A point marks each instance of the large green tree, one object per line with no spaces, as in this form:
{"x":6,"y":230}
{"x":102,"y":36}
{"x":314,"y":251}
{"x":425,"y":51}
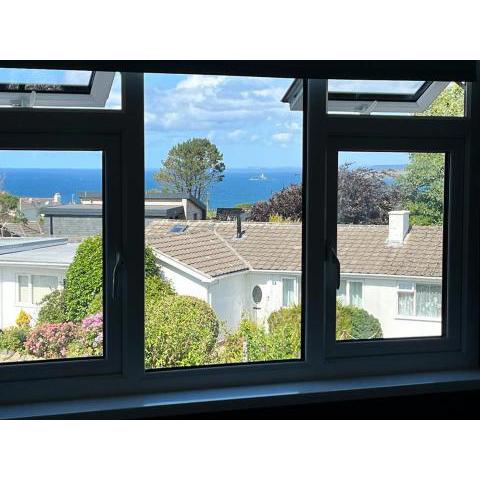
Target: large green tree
{"x":422,"y":181}
{"x":191,"y":167}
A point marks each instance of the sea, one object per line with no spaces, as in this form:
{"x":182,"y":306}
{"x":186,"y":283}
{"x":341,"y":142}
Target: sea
{"x":238,"y":186}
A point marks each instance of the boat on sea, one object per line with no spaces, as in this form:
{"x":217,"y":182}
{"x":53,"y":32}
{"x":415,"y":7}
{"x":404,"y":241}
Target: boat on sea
{"x":260,"y":177}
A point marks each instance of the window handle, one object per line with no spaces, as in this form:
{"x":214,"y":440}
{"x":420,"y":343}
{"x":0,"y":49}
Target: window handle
{"x":116,"y":269}
{"x":333,"y":256}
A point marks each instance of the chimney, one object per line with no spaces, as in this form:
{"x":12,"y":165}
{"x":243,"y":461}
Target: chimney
{"x":398,"y":225}
{"x":239,"y":226}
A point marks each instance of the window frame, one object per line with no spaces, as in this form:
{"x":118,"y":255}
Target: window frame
{"x":386,"y":138}
{"x":25,"y":139}
{"x":93,"y":95}
{"x":318,"y":271}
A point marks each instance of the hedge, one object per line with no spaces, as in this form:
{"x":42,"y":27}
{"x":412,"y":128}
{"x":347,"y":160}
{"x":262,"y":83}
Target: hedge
{"x":53,"y":309}
{"x":84,"y":277}
{"x":179,"y":331}
{"x":354,"y":323}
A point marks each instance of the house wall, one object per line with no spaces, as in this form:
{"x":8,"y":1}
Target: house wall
{"x":9,"y":306}
{"x":231,"y":295}
{"x":228,"y":297}
{"x":272,"y":293}
{"x":183,"y":283}
{"x":380,"y":299}
{"x":191,"y":210}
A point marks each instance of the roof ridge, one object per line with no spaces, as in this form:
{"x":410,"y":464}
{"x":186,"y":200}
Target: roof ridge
{"x":249,"y":266}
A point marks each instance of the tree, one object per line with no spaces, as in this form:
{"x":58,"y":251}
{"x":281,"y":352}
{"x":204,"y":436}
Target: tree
{"x":364,"y":197}
{"x":422,"y":182}
{"x":191,"y":167}
{"x":84,"y":277}
{"x":287,"y":204}
{"x":9,"y":212}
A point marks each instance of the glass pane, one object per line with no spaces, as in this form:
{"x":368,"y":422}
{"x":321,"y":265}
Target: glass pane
{"x":429,"y":301}
{"x":405,"y":303}
{"x":223,"y":211}
{"x":23,"y":290}
{"x":390,"y":210}
{"x":374,"y":86}
{"x":31,"y":88}
{"x":288,"y":292}
{"x":43,"y":285}
{"x":44,"y":77}
{"x":51,"y":251}
{"x":355,"y":294}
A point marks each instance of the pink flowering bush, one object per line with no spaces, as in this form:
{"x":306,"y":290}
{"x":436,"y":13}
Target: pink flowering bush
{"x":89,"y":339}
{"x":50,"y":340}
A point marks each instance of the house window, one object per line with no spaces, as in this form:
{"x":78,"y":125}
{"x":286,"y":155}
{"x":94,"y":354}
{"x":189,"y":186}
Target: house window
{"x":257,"y":294}
{"x":355,"y":293}
{"x":23,"y":289}
{"x":385,"y":229}
{"x":288,"y":292}
{"x":59,"y":88}
{"x":232,"y":259}
{"x":42,"y":285}
{"x":386,"y":97}
{"x":419,"y":300}
{"x":350,"y":293}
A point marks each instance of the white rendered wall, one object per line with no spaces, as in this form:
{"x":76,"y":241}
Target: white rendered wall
{"x":380,"y":299}
{"x":183,"y":283}
{"x":9,"y":305}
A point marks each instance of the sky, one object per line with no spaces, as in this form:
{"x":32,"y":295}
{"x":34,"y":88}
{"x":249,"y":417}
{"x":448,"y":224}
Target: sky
{"x":243,"y":116}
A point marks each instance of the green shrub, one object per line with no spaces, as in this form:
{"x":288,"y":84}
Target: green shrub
{"x":354,"y":323}
{"x":96,"y":305}
{"x":179,"y":331}
{"x":156,"y":287}
{"x":52,"y":308}
{"x":12,"y":339}
{"x":23,"y":319}
{"x":253,"y":343}
{"x":84,"y":277}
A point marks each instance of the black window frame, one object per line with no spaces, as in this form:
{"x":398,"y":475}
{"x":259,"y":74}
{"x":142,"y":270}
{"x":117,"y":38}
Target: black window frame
{"x":318,"y":267}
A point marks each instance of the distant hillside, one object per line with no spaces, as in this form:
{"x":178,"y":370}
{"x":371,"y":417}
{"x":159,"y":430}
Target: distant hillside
{"x":388,"y":167}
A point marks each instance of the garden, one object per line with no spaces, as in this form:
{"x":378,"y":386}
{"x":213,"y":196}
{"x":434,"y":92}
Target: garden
{"x":179,"y":330}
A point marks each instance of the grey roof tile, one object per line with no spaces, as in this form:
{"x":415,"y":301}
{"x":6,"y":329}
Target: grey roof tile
{"x":212,"y":248}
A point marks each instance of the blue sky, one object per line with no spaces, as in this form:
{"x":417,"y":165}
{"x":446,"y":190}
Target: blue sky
{"x":243,"y":116}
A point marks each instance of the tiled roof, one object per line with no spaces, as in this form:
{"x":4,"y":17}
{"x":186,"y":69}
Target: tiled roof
{"x":29,"y":229}
{"x":211,"y":247}
{"x":364,"y":249}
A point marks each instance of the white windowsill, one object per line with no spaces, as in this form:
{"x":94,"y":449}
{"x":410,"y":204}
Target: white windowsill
{"x":215,"y":400}
{"x":418,"y":319}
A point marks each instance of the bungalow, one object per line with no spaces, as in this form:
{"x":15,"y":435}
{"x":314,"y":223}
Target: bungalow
{"x":252,"y":269}
{"x":30,"y":268}
{"x":394,"y":272}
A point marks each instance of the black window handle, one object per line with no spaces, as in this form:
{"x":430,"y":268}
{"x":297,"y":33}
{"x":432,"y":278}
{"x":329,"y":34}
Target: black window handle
{"x":333,"y":256}
{"x":116,"y":269}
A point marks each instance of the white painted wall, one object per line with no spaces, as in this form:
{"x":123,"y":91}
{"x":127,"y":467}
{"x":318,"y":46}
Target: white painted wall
{"x":183,"y":283}
{"x":380,"y":299}
{"x":9,"y":305}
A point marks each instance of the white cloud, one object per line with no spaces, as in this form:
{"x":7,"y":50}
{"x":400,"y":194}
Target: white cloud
{"x":236,"y":134}
{"x":282,"y":137}
{"x":200,"y":81}
{"x":198,"y":104}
